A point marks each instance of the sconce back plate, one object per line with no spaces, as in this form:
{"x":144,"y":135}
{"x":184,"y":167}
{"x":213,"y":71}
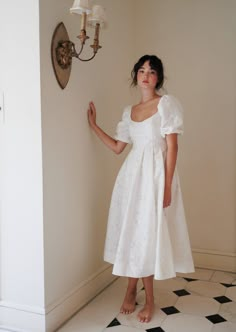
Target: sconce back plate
{"x":62,"y":74}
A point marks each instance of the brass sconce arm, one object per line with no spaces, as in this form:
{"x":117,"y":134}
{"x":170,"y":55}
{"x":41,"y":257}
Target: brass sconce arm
{"x":63,"y":50}
{"x":95,"y":45}
{"x":66,"y":50}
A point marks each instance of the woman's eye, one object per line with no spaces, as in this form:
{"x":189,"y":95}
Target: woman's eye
{"x":153,"y":72}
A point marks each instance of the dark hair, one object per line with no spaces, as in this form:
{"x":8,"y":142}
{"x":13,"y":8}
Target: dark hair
{"x":155,"y":64}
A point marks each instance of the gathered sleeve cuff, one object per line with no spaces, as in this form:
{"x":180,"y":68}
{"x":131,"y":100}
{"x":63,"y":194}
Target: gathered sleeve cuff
{"x":171,"y":113}
{"x":122,"y":129}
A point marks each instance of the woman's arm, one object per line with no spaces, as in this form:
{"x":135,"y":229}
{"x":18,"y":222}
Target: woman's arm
{"x":171,"y":157}
{"x":111,"y":143}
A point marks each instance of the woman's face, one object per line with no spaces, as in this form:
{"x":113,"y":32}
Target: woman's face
{"x":147,"y":77}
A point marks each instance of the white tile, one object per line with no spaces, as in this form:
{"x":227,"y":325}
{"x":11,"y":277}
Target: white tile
{"x":224,"y":277}
{"x":170,"y":284}
{"x":201,"y":274}
{"x":228,"y":311}
{"x":197,"y":305}
{"x":186,"y":323}
{"x":206,"y":288}
{"x":132,"y":319}
{"x":122,"y":328}
{"x":231,"y":293}
{"x":224,"y":327}
{"x":163,"y":298}
{"x":98,"y":313}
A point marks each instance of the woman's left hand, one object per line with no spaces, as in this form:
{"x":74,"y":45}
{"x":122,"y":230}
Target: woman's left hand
{"x":167,"y":196}
{"x":92,"y":114}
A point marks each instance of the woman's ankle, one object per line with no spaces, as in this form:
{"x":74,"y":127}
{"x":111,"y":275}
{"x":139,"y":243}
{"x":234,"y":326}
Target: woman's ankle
{"x":131,"y":293}
{"x":150,"y":300}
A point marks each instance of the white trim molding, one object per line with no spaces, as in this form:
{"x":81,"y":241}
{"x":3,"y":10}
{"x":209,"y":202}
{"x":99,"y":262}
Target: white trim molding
{"x":34,"y":319}
{"x":60,"y":311}
{"x":19,"y":320}
{"x":212,"y":259}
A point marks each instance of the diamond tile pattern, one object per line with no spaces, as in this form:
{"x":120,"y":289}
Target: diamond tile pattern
{"x":115,"y":322}
{"x":181,"y":292}
{"x":227,"y":285}
{"x":190,"y":279}
{"x":231,"y":293}
{"x":170,"y":310}
{"x":215,"y":319}
{"x":203,"y":301}
{"x":222,"y":299}
{"x":200,"y":298}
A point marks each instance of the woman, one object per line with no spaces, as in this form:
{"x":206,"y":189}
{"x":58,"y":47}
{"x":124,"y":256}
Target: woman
{"x":147,"y":235}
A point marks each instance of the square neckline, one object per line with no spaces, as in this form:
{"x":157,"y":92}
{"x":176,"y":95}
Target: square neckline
{"x":148,"y":118}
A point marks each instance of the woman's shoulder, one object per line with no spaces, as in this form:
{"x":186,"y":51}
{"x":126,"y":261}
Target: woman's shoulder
{"x":126,"y":112}
{"x":167,"y":98}
{"x":171,"y":114}
{"x":169,"y":102}
{"x":127,"y":109}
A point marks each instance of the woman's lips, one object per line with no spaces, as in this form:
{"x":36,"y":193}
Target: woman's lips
{"x":145,"y":81}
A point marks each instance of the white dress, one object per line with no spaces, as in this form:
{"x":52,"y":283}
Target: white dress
{"x":143,"y":238}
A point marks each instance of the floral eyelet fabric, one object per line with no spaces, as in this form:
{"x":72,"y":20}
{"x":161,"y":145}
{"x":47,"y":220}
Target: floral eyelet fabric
{"x":143,"y":238}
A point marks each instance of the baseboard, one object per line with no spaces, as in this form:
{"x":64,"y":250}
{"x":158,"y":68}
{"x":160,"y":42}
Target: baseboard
{"x":217,"y":260}
{"x":18,"y":318}
{"x":62,"y":310}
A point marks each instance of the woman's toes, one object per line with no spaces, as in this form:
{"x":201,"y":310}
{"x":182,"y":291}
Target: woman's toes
{"x":145,"y":314}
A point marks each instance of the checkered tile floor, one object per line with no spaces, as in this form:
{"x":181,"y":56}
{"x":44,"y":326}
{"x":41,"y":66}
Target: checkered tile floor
{"x":204,"y":301}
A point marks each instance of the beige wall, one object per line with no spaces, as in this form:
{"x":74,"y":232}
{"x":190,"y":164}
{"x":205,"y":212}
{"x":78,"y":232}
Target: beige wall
{"x":196,"y":41}
{"x":79,"y":171}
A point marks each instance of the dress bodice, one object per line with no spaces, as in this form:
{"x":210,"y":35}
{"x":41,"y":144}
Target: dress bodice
{"x":168,"y":119}
{"x":147,"y":131}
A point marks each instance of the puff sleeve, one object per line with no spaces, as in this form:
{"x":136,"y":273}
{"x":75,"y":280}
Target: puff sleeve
{"x":171,"y":113}
{"x":122,"y":129}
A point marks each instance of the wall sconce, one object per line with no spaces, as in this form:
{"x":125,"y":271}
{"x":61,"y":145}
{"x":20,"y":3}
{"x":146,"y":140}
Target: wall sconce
{"x":63,"y":50}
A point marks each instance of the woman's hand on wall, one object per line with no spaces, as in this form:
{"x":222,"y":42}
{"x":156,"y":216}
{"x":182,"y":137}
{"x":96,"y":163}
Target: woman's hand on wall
{"x":92,"y":114}
{"x":111,"y":143}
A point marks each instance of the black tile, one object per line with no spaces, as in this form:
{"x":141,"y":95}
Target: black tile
{"x":155,"y":329}
{"x":222,"y":299}
{"x":115,"y":322}
{"x":227,"y":285}
{"x":190,"y":279}
{"x":181,"y":292}
{"x":170,"y":310}
{"x":215,"y":319}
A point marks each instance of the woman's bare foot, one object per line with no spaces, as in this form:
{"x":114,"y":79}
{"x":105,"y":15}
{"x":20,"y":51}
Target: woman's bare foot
{"x":145,"y":315}
{"x":128,"y":305}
